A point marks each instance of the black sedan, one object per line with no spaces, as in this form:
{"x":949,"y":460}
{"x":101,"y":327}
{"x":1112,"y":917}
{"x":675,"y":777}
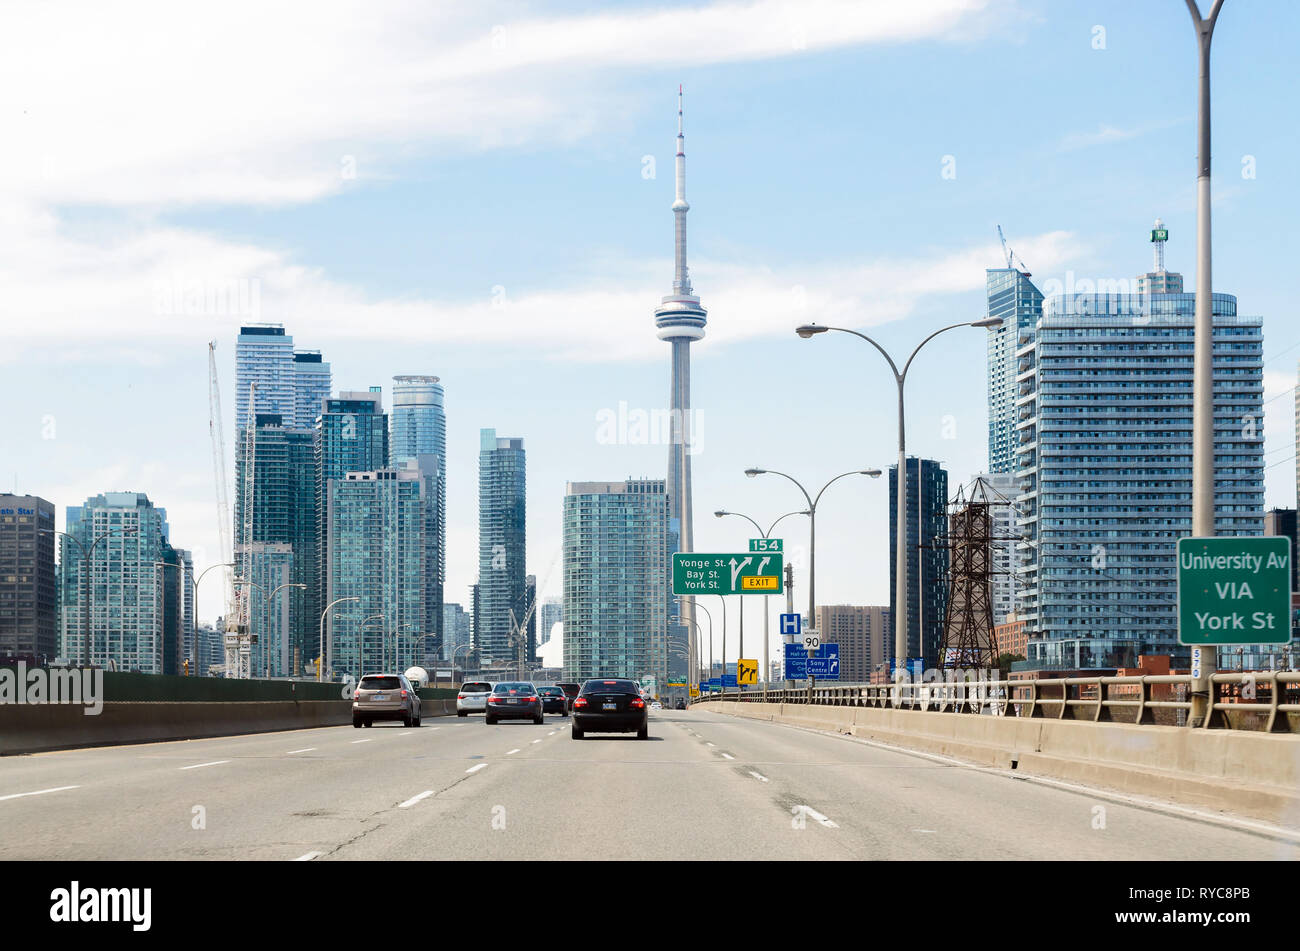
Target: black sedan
{"x":610,"y":706}
{"x":513,"y":701}
{"x":554,"y":700}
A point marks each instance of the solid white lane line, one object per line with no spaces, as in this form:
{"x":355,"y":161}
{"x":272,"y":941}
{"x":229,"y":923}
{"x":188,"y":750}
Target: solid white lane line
{"x":308,"y":857}
{"x":817,"y":817}
{"x":38,"y":792}
{"x":414,"y":799}
{"x":759,"y":776}
{"x":363,"y":741}
{"x":508,"y":752}
{"x":728,"y":756}
{"x":215,"y":762}
{"x":306,"y":749}
{"x":475,"y":769}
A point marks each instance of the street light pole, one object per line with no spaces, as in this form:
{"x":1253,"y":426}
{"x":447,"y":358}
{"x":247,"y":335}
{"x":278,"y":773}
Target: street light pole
{"x":807,"y":331}
{"x":320,"y":661}
{"x":766,"y":612}
{"x":1203,"y":349}
{"x":812,"y":528}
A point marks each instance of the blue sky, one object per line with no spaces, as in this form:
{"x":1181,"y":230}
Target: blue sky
{"x":464,"y":191}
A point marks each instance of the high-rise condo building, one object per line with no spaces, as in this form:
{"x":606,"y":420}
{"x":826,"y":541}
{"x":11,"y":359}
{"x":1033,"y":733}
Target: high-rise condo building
{"x":616,"y":579}
{"x":455,"y":632}
{"x":1104,"y":447}
{"x":284,"y":513}
{"x":862,"y":632}
{"x":552,"y":612}
{"x":419,"y":428}
{"x":501,"y":547}
{"x":927,"y":557}
{"x":1012,"y":297}
{"x":28,"y":589}
{"x":377,"y":550}
{"x":311,"y":387}
{"x":271,"y":566}
{"x":121,"y":538}
{"x":290,"y":383}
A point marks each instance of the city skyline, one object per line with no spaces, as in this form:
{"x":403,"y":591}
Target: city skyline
{"x":736,"y":249}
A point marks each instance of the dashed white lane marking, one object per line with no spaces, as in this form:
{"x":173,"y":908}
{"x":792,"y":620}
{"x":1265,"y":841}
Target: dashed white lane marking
{"x":515,"y":750}
{"x":759,"y":776}
{"x":306,"y":749}
{"x":475,"y":769}
{"x":728,"y":756}
{"x":404,"y":734}
{"x":537,"y":741}
{"x":308,"y":857}
{"x":817,"y":817}
{"x":553,"y":732}
{"x":414,"y":799}
{"x":38,"y":792}
{"x":362,"y":741}
{"x":215,"y":762}
{"x":707,"y":743}
{"x":927,"y":831}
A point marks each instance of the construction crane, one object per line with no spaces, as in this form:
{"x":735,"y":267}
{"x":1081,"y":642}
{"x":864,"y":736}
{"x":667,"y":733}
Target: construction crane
{"x":1011,"y":255}
{"x":218,"y":435}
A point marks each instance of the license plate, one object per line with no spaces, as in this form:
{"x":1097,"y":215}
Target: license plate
{"x":512,"y":700}
{"x":609,"y":706}
{"x":379,"y":696}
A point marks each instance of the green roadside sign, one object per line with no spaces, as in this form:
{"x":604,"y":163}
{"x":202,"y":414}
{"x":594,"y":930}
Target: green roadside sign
{"x":1234,"y":590}
{"x":738,"y":573}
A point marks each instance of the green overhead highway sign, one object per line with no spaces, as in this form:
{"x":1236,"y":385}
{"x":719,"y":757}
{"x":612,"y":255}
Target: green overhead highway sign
{"x":1234,"y":590}
{"x":753,"y":573}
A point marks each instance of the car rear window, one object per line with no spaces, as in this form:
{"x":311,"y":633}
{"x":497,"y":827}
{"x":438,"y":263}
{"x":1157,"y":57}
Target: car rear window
{"x":476,"y":687}
{"x":513,"y":688}
{"x":571,"y":690}
{"x":550,"y":691}
{"x":610,"y":686}
{"x":380,"y":683}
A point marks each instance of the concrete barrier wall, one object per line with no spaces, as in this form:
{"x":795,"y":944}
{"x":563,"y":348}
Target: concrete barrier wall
{"x":1245,"y":773}
{"x":34,"y":728}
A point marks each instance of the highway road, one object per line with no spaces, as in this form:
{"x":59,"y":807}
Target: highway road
{"x":704,"y":786}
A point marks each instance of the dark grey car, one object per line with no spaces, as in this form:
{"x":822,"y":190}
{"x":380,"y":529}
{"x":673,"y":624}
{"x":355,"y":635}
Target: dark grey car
{"x":517,"y":700}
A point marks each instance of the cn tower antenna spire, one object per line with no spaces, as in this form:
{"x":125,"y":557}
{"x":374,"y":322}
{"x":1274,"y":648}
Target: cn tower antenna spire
{"x":681,"y":277}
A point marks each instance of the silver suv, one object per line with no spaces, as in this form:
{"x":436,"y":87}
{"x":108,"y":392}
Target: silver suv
{"x":385,"y":697}
{"x":472,"y":697}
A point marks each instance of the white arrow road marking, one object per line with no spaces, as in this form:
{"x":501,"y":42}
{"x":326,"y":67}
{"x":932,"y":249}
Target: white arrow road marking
{"x":475,"y":769}
{"x":414,"y":799}
{"x":38,"y":792}
{"x":817,"y":817}
{"x":215,"y":762}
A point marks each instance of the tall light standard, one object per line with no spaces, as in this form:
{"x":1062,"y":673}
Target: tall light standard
{"x":807,"y":331}
{"x":320,"y":661}
{"x":397,"y":644}
{"x":194,"y":641}
{"x":361,"y":651}
{"x":812,"y":525}
{"x":454,"y":651}
{"x":700,"y":651}
{"x":86,"y":554}
{"x":766,"y":534}
{"x":699,"y":633}
{"x":1203,"y":347}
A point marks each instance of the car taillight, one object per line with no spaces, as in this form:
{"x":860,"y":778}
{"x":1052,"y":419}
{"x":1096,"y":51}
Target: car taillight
{"x":403,"y":693}
{"x":356,"y":695}
{"x":460,"y":696}
{"x":580,"y":702}
{"x":638,"y":703}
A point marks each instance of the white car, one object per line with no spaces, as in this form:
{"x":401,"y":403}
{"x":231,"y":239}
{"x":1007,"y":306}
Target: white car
{"x":656,"y":705}
{"x":472,"y":697}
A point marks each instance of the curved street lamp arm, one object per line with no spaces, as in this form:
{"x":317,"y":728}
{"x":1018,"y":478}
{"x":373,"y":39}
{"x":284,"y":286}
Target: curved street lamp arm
{"x":748,"y":519}
{"x":892,"y":365}
{"x":832,"y":482}
{"x":796,"y":482}
{"x":773,"y":526}
{"x":965,"y":323}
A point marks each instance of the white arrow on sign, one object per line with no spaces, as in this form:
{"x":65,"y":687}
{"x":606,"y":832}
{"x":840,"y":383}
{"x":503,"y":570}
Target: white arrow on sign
{"x":763,"y":564}
{"x":736,"y":570}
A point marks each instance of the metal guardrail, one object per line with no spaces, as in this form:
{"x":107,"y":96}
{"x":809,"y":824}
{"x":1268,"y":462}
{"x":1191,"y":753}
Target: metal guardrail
{"x":1261,"y":701}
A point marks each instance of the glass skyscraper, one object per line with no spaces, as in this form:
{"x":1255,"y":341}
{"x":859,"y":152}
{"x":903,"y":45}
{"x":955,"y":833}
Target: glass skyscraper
{"x":1104,"y":449}
{"x":501,"y":546}
{"x":290,"y":383}
{"x":284,"y":513}
{"x":28,"y":589}
{"x":616,"y":579}
{"x":311,"y":387}
{"x":419,"y":428}
{"x":377,"y":551}
{"x":927,"y":556}
{"x":1012,"y":297}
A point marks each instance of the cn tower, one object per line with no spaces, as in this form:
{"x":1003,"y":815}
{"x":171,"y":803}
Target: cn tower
{"x":680,"y":319}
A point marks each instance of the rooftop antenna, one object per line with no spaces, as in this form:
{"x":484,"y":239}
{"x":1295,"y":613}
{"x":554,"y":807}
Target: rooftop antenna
{"x":1159,"y":235}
